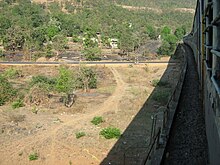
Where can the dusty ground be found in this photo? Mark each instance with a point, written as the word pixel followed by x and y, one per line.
pixel 121 92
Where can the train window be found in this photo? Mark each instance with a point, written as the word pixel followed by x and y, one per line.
pixel 216 41
pixel 209 34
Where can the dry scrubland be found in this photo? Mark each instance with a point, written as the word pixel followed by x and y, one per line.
pixel 52 134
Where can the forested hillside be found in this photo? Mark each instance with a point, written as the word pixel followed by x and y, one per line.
pixel 44 27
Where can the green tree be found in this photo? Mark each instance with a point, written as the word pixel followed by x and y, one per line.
pixel 65 81
pixel 180 32
pixel 164 49
pixel 59 43
pixel 5 24
pixel 53 28
pixel 39 36
pixel 90 40
pixel 14 38
pixel 165 31
pixel 168 45
pixel 51 31
pixel 126 41
pixel 151 32
pixel 86 78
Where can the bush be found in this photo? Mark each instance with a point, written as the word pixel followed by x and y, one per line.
pixel 43 82
pixel 161 96
pixel 17 104
pixel 110 133
pixel 155 82
pixel 33 156
pixel 160 83
pixel 80 134
pixel 7 92
pixel 42 79
pixel 97 120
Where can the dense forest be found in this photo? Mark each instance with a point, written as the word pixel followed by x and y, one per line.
pixel 43 28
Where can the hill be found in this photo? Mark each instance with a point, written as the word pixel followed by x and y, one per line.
pixel 44 26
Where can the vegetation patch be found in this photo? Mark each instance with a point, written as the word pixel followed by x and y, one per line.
pixel 33 156
pixel 42 79
pixel 80 134
pixel 17 104
pixel 97 120
pixel 11 73
pixel 160 83
pixel 110 133
pixel 7 92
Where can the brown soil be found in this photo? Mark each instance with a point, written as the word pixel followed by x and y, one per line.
pixel 50 133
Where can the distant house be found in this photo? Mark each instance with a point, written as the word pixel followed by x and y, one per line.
pixel 114 43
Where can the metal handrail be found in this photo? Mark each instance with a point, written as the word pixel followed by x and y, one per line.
pixel 154 142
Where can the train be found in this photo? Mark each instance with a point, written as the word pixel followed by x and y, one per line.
pixel 204 40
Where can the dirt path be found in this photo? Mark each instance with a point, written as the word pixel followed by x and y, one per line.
pixel 157 10
pixel 49 143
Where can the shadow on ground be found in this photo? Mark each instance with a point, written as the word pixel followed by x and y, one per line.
pixel 133 146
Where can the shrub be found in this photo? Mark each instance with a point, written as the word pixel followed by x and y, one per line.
pixel 165 49
pixel 160 83
pixel 43 82
pixel 42 79
pixel 97 120
pixel 33 156
pixel 17 104
pixel 7 92
pixel 161 96
pixel 155 82
pixel 80 134
pixel 110 133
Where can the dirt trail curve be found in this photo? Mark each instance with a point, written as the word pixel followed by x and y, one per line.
pixel 10 150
